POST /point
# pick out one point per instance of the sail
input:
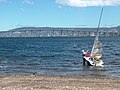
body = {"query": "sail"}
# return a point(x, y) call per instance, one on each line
point(97, 50)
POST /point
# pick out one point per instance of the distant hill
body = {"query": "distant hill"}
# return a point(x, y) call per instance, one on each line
point(59, 31)
point(118, 27)
point(59, 28)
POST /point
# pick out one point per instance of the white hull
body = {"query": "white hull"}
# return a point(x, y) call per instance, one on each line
point(93, 62)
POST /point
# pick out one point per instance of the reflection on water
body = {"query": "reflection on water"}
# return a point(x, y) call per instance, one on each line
point(56, 56)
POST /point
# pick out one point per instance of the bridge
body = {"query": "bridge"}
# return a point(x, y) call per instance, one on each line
point(56, 33)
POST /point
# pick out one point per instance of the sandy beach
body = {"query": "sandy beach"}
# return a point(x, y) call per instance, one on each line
point(57, 83)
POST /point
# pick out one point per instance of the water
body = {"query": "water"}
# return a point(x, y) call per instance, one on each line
point(56, 56)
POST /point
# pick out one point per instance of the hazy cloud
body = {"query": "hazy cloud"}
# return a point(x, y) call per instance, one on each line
point(23, 1)
point(28, 1)
point(86, 3)
point(3, 0)
point(59, 6)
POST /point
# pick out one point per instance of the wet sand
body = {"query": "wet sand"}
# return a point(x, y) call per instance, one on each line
point(58, 83)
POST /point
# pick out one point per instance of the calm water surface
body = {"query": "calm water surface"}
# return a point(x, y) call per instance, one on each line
point(56, 56)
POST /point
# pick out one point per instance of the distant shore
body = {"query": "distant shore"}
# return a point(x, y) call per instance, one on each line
point(58, 83)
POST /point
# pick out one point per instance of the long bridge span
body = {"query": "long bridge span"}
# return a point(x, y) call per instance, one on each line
point(56, 33)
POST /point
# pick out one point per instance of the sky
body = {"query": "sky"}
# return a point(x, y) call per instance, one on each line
point(58, 13)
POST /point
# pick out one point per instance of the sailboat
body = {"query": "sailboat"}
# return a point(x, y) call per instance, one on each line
point(96, 52)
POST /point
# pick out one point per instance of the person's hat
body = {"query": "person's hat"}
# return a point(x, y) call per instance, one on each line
point(82, 50)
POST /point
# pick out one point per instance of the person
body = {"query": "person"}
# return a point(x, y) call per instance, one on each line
point(84, 54)
point(88, 54)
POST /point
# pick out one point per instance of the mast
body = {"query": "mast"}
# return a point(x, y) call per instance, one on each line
point(96, 38)
point(99, 23)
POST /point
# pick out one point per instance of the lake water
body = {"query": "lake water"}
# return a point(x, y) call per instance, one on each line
point(56, 56)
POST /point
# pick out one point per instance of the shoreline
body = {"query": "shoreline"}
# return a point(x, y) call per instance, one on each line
point(58, 83)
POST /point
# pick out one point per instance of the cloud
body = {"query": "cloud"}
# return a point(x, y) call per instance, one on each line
point(86, 3)
point(28, 1)
point(59, 6)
